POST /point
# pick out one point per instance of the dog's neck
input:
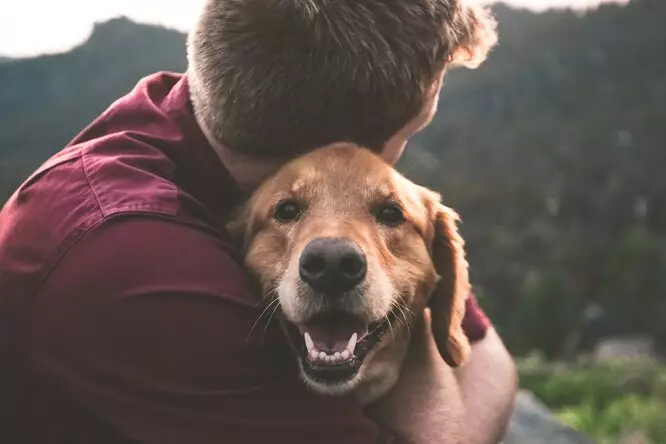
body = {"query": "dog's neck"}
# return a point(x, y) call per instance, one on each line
point(384, 372)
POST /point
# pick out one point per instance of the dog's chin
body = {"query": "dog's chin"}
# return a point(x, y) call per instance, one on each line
point(333, 349)
point(329, 388)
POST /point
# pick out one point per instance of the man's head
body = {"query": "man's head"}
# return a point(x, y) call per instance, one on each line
point(277, 78)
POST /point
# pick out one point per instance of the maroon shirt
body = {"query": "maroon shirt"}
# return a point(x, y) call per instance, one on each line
point(124, 312)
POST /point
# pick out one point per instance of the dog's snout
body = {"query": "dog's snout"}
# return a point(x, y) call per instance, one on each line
point(332, 265)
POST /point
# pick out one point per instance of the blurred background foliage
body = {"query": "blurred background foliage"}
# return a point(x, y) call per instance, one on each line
point(606, 401)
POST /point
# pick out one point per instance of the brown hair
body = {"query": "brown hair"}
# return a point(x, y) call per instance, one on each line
point(276, 78)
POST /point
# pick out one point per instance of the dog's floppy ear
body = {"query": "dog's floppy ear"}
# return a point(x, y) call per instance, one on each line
point(239, 225)
point(447, 302)
point(248, 219)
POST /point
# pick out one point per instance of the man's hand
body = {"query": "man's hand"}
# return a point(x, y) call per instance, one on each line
point(432, 403)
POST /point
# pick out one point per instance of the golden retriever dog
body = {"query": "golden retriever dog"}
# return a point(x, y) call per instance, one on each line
point(352, 252)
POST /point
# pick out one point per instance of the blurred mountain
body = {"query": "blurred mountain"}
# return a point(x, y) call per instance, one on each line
point(45, 101)
point(552, 152)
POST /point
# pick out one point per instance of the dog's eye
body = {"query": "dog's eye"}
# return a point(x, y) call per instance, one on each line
point(390, 214)
point(287, 211)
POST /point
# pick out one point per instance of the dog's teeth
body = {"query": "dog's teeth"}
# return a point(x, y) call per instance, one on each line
point(333, 358)
point(351, 345)
point(309, 343)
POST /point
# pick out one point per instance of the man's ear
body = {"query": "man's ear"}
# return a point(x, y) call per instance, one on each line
point(472, 33)
point(447, 302)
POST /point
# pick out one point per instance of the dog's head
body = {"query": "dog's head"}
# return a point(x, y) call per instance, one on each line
point(352, 251)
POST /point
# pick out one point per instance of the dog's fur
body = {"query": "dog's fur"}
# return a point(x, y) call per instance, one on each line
point(417, 263)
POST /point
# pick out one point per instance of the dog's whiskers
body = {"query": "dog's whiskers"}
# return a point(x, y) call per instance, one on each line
point(275, 309)
point(274, 303)
point(388, 321)
point(403, 311)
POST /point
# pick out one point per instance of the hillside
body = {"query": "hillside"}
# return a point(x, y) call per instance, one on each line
point(45, 101)
point(552, 152)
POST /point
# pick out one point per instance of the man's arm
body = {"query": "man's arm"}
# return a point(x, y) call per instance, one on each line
point(432, 403)
point(488, 383)
point(148, 325)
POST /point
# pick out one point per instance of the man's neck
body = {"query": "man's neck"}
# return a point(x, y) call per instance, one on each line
point(247, 171)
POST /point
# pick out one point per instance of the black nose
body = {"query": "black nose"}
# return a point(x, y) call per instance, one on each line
point(332, 265)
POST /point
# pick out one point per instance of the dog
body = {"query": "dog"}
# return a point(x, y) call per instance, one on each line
point(353, 252)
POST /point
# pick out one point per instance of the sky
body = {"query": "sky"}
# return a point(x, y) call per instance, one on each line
point(32, 27)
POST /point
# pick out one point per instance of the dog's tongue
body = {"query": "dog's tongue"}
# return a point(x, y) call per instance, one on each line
point(332, 333)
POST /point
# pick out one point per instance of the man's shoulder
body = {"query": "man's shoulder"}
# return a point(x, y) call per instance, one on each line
point(147, 153)
point(138, 157)
point(125, 151)
point(128, 175)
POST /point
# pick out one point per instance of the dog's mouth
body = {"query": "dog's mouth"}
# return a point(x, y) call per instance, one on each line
point(333, 345)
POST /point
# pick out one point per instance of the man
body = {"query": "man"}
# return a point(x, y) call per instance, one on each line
point(125, 316)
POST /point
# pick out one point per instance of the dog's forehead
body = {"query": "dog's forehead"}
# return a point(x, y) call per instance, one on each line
point(340, 170)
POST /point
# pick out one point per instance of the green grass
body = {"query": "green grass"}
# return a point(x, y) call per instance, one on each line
point(603, 401)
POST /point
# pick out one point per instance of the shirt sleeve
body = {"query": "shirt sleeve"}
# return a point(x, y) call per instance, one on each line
point(475, 323)
point(150, 325)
